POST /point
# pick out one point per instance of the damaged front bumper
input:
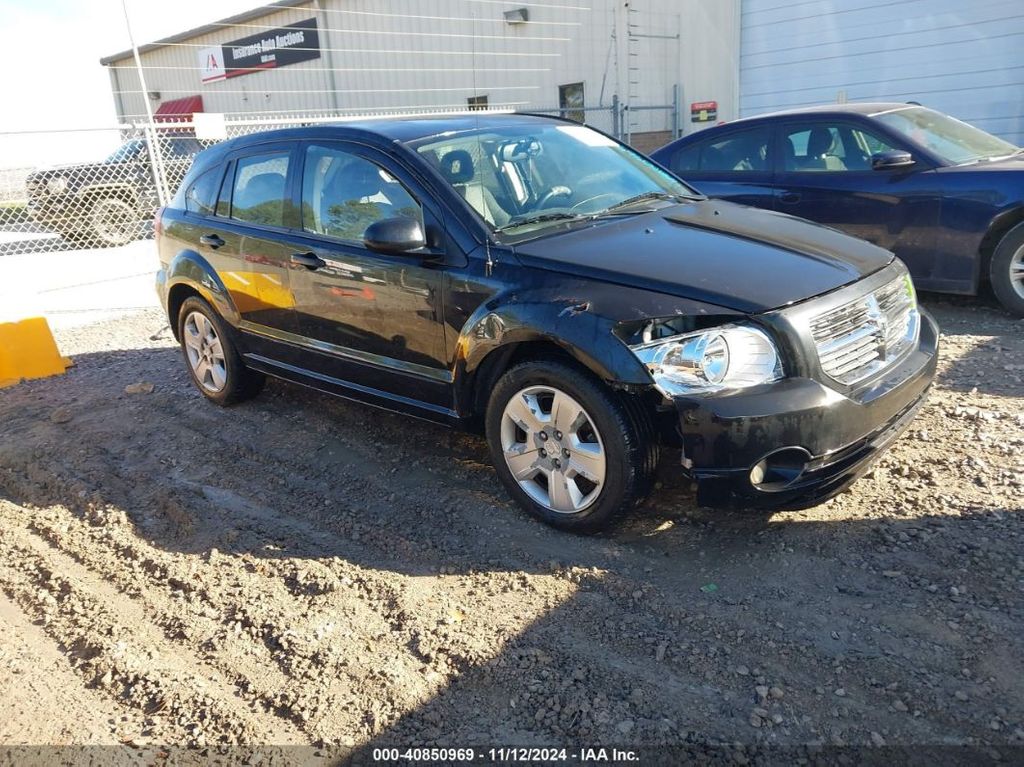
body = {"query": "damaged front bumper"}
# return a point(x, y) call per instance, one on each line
point(798, 442)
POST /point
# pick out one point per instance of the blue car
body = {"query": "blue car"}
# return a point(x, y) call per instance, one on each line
point(944, 196)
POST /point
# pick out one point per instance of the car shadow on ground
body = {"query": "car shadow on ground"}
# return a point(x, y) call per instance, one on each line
point(657, 615)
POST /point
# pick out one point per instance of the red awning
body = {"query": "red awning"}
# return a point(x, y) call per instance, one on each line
point(178, 110)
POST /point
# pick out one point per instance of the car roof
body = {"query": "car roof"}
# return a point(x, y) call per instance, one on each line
point(868, 108)
point(401, 128)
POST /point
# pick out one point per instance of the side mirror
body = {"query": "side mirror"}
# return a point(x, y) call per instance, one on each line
point(395, 235)
point(890, 160)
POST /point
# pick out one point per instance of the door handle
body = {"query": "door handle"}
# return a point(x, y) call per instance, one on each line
point(789, 198)
point(309, 260)
point(213, 240)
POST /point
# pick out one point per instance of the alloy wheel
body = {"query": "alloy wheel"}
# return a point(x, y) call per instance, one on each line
point(1017, 271)
point(553, 449)
point(205, 352)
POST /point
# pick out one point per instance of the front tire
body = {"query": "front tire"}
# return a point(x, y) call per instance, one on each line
point(1006, 272)
point(213, 361)
point(570, 451)
point(114, 222)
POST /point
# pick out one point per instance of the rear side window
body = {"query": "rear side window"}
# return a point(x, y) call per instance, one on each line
point(741, 152)
point(202, 195)
point(260, 188)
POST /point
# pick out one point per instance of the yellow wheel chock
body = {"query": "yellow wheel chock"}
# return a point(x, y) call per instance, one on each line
point(27, 350)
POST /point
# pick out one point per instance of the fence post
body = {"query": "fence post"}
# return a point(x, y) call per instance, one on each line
point(676, 123)
point(155, 157)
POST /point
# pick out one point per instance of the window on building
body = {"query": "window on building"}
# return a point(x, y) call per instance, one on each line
point(572, 102)
point(260, 189)
point(740, 152)
point(477, 103)
point(342, 194)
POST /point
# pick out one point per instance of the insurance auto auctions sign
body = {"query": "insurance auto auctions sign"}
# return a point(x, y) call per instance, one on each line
point(267, 50)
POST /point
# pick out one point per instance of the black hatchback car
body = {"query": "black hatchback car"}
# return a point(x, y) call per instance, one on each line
point(538, 279)
point(944, 196)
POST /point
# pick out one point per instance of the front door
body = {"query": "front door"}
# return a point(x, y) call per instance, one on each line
point(372, 319)
point(824, 174)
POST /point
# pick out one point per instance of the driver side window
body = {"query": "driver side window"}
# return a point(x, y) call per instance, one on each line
point(343, 193)
point(829, 147)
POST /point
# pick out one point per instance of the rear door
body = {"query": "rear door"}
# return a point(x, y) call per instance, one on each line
point(255, 213)
point(825, 175)
point(734, 165)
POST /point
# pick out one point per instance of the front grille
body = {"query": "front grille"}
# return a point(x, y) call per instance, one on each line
point(866, 335)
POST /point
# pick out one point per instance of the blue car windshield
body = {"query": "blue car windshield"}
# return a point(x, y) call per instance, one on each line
point(954, 141)
point(527, 177)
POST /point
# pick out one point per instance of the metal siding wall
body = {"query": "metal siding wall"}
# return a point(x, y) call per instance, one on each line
point(962, 58)
point(173, 71)
point(399, 54)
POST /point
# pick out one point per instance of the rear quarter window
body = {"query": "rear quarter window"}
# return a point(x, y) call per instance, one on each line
point(201, 196)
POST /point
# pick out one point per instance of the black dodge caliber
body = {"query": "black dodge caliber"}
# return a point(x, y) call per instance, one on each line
point(539, 280)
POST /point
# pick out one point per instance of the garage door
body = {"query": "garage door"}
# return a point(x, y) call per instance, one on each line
point(963, 58)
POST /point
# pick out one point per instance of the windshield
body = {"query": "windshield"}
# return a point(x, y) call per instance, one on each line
point(954, 141)
point(126, 151)
point(524, 178)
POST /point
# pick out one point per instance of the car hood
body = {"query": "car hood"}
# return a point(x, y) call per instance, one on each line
point(68, 171)
point(740, 258)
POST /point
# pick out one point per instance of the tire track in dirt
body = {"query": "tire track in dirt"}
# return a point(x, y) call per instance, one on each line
point(115, 648)
point(604, 650)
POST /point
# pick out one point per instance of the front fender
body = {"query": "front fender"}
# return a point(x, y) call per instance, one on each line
point(577, 316)
point(191, 269)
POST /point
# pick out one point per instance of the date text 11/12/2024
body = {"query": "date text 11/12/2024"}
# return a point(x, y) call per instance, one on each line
point(505, 754)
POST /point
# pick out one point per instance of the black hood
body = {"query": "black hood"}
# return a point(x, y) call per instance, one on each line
point(740, 258)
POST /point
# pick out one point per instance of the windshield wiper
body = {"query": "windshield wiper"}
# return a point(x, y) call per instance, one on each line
point(541, 218)
point(629, 201)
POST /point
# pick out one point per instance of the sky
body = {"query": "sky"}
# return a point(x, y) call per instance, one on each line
point(56, 45)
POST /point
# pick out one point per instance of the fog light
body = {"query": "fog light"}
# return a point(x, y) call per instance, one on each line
point(778, 470)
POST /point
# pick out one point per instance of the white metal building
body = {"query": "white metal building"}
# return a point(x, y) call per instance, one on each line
point(364, 55)
point(962, 58)
point(713, 59)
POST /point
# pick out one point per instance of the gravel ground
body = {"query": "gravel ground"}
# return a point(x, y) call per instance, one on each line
point(302, 570)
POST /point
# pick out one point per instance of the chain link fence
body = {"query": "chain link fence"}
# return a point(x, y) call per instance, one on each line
point(100, 188)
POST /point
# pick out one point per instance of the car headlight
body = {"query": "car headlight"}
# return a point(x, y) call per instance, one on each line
point(57, 185)
point(727, 357)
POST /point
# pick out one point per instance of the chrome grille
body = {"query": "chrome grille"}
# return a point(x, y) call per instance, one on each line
point(866, 335)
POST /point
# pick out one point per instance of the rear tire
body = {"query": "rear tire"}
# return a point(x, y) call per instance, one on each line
point(582, 454)
point(212, 360)
point(1006, 271)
